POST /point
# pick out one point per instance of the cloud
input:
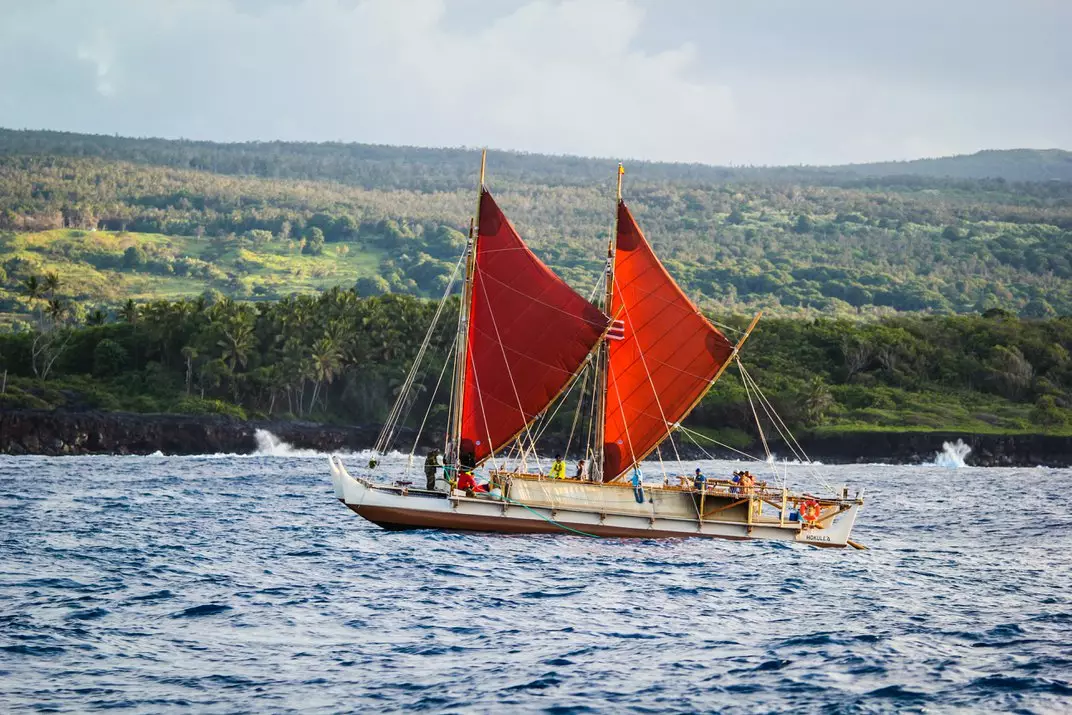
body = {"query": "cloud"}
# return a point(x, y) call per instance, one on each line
point(618, 78)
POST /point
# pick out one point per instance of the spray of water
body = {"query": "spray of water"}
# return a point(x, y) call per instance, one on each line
point(952, 454)
point(268, 445)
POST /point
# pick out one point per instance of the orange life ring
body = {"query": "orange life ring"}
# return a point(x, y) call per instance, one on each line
point(809, 511)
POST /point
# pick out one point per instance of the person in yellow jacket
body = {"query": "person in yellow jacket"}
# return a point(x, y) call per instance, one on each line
point(558, 468)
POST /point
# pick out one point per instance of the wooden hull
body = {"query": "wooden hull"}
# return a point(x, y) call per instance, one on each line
point(662, 515)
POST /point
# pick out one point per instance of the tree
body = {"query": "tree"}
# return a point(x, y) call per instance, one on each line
point(109, 358)
point(57, 310)
point(372, 285)
point(1048, 414)
point(326, 359)
point(314, 242)
point(129, 312)
point(817, 401)
point(735, 218)
point(33, 288)
point(189, 354)
point(51, 283)
point(134, 257)
point(803, 224)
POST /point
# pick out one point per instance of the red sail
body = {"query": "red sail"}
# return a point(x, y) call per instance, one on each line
point(666, 357)
point(529, 333)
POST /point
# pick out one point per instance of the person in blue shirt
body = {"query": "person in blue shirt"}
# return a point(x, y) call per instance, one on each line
point(638, 484)
point(699, 481)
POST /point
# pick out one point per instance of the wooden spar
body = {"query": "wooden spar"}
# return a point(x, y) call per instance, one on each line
point(722, 369)
point(463, 318)
point(603, 359)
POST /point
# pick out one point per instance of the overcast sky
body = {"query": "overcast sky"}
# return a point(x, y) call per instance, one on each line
point(735, 81)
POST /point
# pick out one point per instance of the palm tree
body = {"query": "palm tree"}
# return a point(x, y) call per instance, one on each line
point(96, 317)
point(52, 283)
point(33, 288)
point(326, 359)
point(237, 342)
point(189, 354)
point(129, 312)
point(57, 309)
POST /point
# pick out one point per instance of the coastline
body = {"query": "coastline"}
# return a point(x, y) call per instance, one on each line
point(58, 433)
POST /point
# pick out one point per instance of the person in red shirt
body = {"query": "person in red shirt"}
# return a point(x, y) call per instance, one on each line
point(466, 481)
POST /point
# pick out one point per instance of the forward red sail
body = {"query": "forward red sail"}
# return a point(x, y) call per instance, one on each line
point(666, 357)
point(529, 333)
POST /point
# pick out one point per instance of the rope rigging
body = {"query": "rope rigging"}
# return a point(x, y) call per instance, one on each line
point(395, 416)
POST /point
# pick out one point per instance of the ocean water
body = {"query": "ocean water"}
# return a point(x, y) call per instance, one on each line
point(239, 584)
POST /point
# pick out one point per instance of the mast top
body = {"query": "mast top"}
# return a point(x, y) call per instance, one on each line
point(621, 172)
point(483, 163)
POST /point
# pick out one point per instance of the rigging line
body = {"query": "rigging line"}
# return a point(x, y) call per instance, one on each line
point(545, 422)
point(550, 520)
point(726, 327)
point(598, 323)
point(787, 436)
point(577, 412)
point(391, 425)
point(689, 308)
point(431, 401)
point(509, 374)
point(655, 394)
point(803, 456)
point(625, 423)
point(393, 420)
point(691, 433)
point(774, 418)
point(483, 415)
point(514, 351)
point(755, 415)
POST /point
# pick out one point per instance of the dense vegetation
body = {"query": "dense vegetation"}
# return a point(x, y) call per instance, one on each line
point(173, 219)
point(339, 357)
point(290, 279)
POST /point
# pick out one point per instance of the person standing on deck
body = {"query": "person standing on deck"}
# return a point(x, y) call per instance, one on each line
point(699, 481)
point(431, 464)
point(558, 468)
point(582, 471)
point(638, 484)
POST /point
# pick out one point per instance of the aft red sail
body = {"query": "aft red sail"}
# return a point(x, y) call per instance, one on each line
point(666, 357)
point(529, 333)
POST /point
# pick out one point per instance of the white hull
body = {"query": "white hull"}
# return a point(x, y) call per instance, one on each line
point(563, 507)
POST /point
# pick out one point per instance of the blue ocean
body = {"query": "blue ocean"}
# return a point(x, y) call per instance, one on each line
point(226, 584)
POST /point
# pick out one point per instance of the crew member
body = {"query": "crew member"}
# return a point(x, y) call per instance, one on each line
point(582, 470)
point(558, 468)
point(699, 481)
point(638, 484)
point(431, 464)
point(466, 482)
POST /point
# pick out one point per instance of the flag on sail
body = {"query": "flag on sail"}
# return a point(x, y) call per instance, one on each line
point(529, 333)
point(665, 359)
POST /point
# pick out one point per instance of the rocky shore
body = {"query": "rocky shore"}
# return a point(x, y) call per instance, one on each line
point(76, 433)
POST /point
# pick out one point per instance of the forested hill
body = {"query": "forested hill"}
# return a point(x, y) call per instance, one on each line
point(114, 218)
point(428, 169)
point(1010, 164)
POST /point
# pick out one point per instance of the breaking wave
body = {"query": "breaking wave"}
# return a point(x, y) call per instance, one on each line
point(952, 455)
point(268, 445)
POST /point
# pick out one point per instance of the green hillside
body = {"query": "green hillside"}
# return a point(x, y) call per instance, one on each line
point(158, 276)
point(846, 245)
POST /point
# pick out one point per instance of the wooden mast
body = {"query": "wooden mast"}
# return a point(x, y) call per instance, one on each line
point(463, 322)
point(603, 361)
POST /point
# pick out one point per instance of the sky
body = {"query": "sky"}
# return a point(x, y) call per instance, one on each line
point(742, 82)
